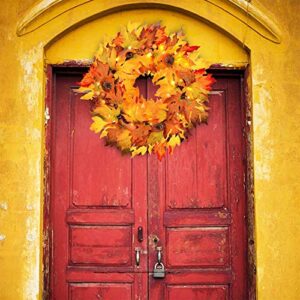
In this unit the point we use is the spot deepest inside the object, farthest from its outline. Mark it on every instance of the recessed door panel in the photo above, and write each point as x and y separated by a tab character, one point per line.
90	160
197	292
200	165
90	245
96	291
197	247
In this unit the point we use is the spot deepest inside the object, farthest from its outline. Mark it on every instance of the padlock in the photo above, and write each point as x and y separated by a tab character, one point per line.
159	271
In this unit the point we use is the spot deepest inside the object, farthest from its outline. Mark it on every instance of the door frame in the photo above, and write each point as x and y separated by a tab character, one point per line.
73	67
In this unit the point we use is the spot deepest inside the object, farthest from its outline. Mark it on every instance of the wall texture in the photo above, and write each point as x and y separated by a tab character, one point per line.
71	30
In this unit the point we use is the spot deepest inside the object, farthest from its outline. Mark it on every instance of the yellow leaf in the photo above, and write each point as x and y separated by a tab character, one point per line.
124	140
155	137
98	124
103	133
88	96
146	110
138	150
134	26
150	147
155	111
173	142
83	90
130	38
112	58
198	61
109	114
129	70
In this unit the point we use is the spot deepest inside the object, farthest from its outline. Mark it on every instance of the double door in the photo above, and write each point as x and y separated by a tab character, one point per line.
114	218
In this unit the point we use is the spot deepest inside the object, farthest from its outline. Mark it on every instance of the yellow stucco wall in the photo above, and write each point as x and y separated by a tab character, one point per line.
222	32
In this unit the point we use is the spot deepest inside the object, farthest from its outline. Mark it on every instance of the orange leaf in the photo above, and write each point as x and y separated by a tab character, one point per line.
160	150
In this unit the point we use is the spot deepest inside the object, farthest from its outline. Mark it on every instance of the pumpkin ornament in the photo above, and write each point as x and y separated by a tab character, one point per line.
121	115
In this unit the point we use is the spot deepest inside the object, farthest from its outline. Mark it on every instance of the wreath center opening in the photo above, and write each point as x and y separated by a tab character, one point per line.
147	88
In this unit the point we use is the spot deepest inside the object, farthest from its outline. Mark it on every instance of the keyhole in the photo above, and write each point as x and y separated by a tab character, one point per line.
155	240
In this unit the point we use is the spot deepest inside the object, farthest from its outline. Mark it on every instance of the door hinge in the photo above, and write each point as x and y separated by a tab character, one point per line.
47	115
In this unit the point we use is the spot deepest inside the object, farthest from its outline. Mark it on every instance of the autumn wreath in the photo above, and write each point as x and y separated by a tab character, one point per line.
123	116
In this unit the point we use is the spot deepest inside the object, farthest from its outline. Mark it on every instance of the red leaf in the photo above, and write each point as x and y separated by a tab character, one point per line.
188	48
87	80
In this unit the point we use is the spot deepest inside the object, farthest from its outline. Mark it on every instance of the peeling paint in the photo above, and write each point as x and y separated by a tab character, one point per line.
30	207
4	205
33	133
32	261
261	122
31	288
30	83
2	237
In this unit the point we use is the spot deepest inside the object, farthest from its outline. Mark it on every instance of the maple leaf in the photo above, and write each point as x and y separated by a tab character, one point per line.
160	35
88	96
140	134
197	61
129	70
166	79
138	150
187	48
109	114
206	81
173	142
124	140
98	124
135	27
112	59
133	112
102	53
130	35
154	111
87	91
99	70
112	135
148	35
173	126
160	150
146	110
115	95
186	77
155	137
87	80
118	40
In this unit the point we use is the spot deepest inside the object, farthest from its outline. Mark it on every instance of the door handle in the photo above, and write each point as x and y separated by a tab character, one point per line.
137	256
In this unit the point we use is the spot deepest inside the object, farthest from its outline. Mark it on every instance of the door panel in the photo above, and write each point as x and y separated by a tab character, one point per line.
89	245
94	207
192	204
112	190
197	247
111	291
196	202
199	165
196	292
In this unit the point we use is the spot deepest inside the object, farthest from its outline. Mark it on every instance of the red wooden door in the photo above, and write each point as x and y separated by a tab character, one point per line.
197	207
192	204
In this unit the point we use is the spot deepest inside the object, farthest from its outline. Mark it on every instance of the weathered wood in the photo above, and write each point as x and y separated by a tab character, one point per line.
196	201
100	216
98	200
192	204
